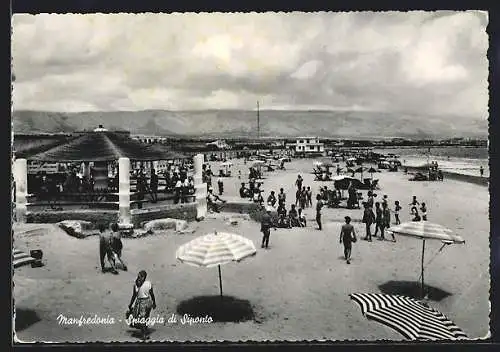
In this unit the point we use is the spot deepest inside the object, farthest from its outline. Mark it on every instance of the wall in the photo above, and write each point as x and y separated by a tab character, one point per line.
174	211
52	216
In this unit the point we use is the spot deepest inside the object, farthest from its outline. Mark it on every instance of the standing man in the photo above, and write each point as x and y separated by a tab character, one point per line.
378	219
281	197
153	185
303	198
220	184
368	219
309	197
319	205
481	170
386	221
371	199
106	249
347	237
298	182
265	227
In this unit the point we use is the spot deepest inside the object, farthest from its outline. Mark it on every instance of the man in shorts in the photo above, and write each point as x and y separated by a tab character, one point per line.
347	237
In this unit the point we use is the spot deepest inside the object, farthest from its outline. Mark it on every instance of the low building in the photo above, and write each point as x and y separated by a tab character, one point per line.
219	144
309	146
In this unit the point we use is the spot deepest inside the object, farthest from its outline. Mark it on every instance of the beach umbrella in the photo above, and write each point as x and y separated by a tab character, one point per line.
426	230
372	170
351	159
21	258
215	249
412	318
360	170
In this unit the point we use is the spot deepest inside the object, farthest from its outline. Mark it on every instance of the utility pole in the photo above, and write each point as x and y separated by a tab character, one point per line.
258	120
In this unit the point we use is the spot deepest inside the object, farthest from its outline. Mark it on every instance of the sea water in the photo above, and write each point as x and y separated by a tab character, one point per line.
461	160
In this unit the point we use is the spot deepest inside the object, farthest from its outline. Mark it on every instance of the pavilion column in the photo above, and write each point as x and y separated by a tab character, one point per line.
100	175
200	188
124	191
86	169
21	180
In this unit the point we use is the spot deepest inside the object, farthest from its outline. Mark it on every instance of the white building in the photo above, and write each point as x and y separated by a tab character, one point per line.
309	145
219	144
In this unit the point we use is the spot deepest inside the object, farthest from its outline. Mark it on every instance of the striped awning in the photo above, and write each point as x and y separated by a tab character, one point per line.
20	258
426	230
215	249
413	319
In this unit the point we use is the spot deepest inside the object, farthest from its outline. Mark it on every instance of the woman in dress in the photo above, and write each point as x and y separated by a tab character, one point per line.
142	302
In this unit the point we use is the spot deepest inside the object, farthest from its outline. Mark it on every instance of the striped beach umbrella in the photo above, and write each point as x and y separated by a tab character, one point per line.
215	249
21	258
412	318
426	230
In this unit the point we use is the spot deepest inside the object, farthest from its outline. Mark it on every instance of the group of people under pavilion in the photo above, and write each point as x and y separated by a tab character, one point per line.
93	168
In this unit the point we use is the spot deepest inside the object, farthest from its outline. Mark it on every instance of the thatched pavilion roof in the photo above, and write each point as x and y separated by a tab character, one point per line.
104	146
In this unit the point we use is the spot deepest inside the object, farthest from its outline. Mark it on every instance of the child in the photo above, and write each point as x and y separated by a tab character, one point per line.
397	208
302	219
423	209
220	184
414	201
414	212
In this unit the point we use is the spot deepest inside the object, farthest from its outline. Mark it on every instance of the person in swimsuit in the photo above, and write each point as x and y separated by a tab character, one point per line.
378	219
347	237
423	209
397	208
368	219
319	206
265	227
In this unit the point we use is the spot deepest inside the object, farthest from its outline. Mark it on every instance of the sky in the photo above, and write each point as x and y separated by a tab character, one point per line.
425	63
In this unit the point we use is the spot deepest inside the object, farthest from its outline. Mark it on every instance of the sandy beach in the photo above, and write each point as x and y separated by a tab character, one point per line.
298	288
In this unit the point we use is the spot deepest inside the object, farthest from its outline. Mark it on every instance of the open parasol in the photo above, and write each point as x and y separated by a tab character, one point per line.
215	249
426	230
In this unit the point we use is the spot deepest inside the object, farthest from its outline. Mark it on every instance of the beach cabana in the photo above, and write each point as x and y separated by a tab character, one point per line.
102	148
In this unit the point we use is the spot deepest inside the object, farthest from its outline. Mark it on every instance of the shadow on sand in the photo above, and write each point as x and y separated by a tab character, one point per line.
412	289
225	309
25	318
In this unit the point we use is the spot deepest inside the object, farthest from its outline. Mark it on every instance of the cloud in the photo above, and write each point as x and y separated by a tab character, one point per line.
424	63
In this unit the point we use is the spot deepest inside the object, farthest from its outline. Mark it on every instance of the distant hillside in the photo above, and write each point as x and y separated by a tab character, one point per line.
238	123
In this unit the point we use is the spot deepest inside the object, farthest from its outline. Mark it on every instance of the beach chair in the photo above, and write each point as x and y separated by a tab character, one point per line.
21	258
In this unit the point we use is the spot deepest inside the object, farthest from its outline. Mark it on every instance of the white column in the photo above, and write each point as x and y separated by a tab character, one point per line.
21	180
198	168
200	188
86	169
124	190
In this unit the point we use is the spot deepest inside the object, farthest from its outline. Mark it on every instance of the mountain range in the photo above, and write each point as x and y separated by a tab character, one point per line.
242	123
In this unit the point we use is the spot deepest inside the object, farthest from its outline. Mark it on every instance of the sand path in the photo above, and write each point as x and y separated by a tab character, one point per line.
299	287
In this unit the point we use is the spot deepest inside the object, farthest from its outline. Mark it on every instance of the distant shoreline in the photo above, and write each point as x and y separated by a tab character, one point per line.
478	180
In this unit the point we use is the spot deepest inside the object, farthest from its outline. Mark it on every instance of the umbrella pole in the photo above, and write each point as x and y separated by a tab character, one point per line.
220	283
422	283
